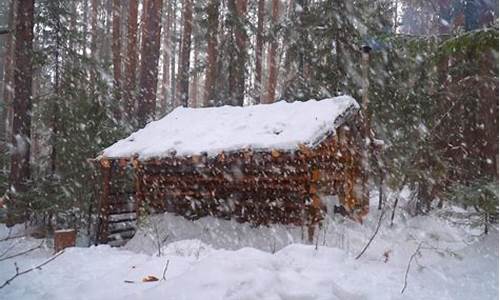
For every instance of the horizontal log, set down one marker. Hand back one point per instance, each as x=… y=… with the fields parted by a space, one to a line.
x=121 y=235
x=228 y=180
x=130 y=219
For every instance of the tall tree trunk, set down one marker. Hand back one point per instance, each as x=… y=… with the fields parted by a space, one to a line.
x=55 y=105
x=117 y=61
x=23 y=76
x=131 y=63
x=73 y=23
x=302 y=35
x=167 y=38
x=194 y=82
x=271 y=59
x=237 y=83
x=93 y=41
x=105 y=43
x=259 y=42
x=173 y=80
x=150 y=53
x=184 y=62
x=8 y=83
x=212 y=51
x=85 y=28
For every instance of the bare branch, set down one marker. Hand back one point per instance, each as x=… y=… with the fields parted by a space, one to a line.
x=22 y=253
x=165 y=270
x=412 y=257
x=373 y=236
x=39 y=267
x=394 y=210
x=7 y=249
x=12 y=237
x=9 y=237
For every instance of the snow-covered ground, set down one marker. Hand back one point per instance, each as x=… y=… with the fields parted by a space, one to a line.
x=218 y=259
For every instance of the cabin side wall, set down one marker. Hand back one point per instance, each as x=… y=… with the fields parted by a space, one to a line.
x=341 y=171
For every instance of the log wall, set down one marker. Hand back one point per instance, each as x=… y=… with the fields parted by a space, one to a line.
x=259 y=187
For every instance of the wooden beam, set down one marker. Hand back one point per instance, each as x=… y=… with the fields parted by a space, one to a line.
x=103 y=206
x=138 y=185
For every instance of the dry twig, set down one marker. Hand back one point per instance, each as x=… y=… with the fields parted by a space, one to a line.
x=412 y=257
x=22 y=253
x=39 y=267
x=7 y=250
x=373 y=236
x=9 y=237
x=165 y=270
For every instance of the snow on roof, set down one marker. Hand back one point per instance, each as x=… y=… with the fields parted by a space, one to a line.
x=192 y=131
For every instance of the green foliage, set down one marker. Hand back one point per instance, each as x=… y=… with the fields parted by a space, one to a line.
x=72 y=117
x=430 y=96
x=475 y=42
x=482 y=194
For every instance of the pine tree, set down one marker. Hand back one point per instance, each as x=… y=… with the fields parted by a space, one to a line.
x=150 y=53
x=212 y=50
x=131 y=63
x=8 y=86
x=167 y=46
x=185 y=52
x=117 y=62
x=238 y=9
x=259 y=43
x=272 y=55
x=23 y=78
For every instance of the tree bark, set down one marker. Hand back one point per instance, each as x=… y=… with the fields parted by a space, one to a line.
x=117 y=61
x=57 y=91
x=173 y=78
x=150 y=53
x=131 y=63
x=93 y=41
x=271 y=59
x=105 y=43
x=184 y=62
x=237 y=83
x=85 y=27
x=8 y=80
x=259 y=43
x=194 y=82
x=212 y=51
x=167 y=38
x=23 y=76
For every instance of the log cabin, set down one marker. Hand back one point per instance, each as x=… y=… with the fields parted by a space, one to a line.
x=267 y=163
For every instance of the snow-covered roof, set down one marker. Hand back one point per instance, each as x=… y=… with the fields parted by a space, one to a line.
x=193 y=131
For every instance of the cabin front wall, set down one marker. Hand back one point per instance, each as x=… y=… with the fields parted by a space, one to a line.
x=256 y=187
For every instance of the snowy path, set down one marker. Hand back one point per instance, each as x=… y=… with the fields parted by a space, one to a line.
x=297 y=271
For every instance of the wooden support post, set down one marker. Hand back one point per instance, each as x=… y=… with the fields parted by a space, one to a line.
x=365 y=54
x=102 y=233
x=138 y=185
x=315 y=206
